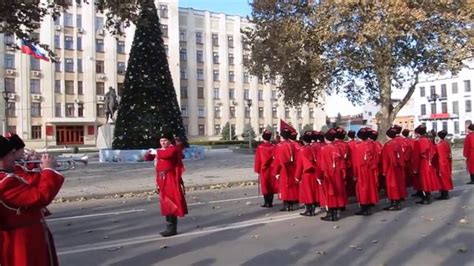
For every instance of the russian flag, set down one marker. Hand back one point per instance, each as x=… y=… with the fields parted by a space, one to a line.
x=27 y=47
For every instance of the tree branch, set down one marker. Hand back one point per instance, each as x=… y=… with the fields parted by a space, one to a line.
x=407 y=97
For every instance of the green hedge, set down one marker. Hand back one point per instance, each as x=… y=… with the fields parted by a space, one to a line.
x=217 y=142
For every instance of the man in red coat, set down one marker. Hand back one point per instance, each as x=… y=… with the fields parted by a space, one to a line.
x=366 y=172
x=306 y=174
x=350 y=183
x=284 y=171
x=445 y=166
x=393 y=168
x=331 y=174
x=263 y=167
x=318 y=143
x=24 y=236
x=170 y=186
x=468 y=153
x=424 y=156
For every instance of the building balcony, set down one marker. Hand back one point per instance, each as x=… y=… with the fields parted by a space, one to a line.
x=440 y=116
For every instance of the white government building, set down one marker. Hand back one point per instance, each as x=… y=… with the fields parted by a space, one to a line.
x=444 y=101
x=62 y=104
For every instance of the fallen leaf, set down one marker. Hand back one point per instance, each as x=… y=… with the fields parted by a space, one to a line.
x=106 y=237
x=429 y=219
x=163 y=247
x=89 y=231
x=320 y=252
x=248 y=203
x=352 y=246
x=464 y=221
x=375 y=241
x=335 y=226
x=462 y=249
x=359 y=248
x=240 y=214
x=255 y=236
x=68 y=224
x=114 y=248
x=383 y=220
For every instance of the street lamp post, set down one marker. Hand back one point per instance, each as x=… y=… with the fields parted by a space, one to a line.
x=5 y=123
x=249 y=104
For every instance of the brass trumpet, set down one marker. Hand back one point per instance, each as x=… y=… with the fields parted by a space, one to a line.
x=63 y=163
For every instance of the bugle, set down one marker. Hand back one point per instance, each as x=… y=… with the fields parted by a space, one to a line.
x=62 y=164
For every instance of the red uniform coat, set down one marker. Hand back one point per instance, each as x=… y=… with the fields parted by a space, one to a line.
x=285 y=153
x=407 y=151
x=445 y=165
x=468 y=152
x=424 y=163
x=24 y=235
x=393 y=167
x=263 y=167
x=306 y=173
x=367 y=172
x=350 y=183
x=316 y=146
x=331 y=164
x=169 y=169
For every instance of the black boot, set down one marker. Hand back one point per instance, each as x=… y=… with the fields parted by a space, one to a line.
x=286 y=206
x=425 y=199
x=334 y=215
x=472 y=181
x=265 y=199
x=307 y=212
x=418 y=193
x=444 y=195
x=171 y=226
x=329 y=215
x=270 y=200
x=389 y=208
x=291 y=206
x=362 y=211
x=397 y=206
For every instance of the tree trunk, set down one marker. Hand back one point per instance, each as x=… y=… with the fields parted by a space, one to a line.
x=386 y=115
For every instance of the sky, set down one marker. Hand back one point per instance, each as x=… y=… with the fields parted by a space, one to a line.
x=334 y=103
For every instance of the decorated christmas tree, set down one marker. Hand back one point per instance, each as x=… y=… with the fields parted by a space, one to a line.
x=149 y=104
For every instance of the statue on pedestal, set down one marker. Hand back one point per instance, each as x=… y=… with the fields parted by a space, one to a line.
x=111 y=104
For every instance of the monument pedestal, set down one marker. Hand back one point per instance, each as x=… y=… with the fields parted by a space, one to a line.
x=105 y=136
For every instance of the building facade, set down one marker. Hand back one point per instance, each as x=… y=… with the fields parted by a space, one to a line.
x=445 y=101
x=62 y=103
x=405 y=117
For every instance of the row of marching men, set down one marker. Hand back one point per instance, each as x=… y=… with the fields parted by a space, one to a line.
x=324 y=170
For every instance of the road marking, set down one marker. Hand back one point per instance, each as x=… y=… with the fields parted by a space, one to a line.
x=156 y=237
x=95 y=215
x=220 y=201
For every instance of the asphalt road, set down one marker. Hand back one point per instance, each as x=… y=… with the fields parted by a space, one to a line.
x=227 y=227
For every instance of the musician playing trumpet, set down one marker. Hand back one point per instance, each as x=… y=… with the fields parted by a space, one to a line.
x=24 y=236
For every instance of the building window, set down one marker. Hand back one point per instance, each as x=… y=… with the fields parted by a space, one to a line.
x=444 y=107
x=57 y=109
x=68 y=20
x=201 y=130
x=287 y=112
x=231 y=59
x=164 y=30
x=260 y=80
x=432 y=90
x=260 y=112
x=35 y=132
x=57 y=42
x=99 y=45
x=69 y=87
x=299 y=112
x=246 y=77
x=35 y=86
x=121 y=47
x=120 y=88
x=200 y=93
x=183 y=55
x=231 y=76
x=232 y=112
x=68 y=43
x=456 y=127
x=184 y=74
x=245 y=58
x=35 y=109
x=217 y=112
x=78 y=20
x=11 y=109
x=9 y=39
x=247 y=112
x=100 y=110
x=167 y=50
x=274 y=95
x=99 y=23
x=260 y=95
x=57 y=66
x=57 y=86
x=217 y=129
x=232 y=94
x=422 y=91
x=215 y=75
x=34 y=63
x=79 y=43
x=80 y=110
x=230 y=41
x=454 y=87
x=215 y=40
x=182 y=35
x=69 y=110
x=79 y=65
x=10 y=85
x=246 y=94
x=9 y=61
x=184 y=92
x=216 y=93
x=184 y=111
x=80 y=90
x=445 y=126
x=57 y=20
x=121 y=68
x=468 y=106
x=215 y=58
x=163 y=11
x=201 y=112
x=99 y=67
x=467 y=85
x=443 y=91
x=261 y=128
x=200 y=74
x=69 y=65
x=199 y=56
x=274 y=112
x=433 y=108
x=99 y=88
x=423 y=109
x=455 y=107
x=311 y=113
x=199 y=38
